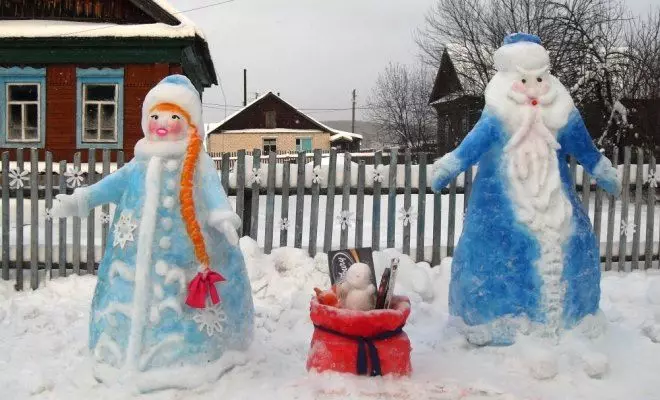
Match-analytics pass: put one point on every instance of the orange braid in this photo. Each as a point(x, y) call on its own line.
point(188, 202)
point(187, 185)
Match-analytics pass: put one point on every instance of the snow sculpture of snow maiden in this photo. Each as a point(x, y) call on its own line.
point(149, 327)
point(527, 259)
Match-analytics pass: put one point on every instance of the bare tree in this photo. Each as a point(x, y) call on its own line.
point(399, 105)
point(592, 44)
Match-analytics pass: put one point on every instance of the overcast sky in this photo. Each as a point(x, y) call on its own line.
point(314, 52)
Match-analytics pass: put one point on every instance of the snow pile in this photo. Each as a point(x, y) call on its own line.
point(43, 343)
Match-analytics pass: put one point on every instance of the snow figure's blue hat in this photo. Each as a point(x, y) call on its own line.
point(521, 51)
point(175, 89)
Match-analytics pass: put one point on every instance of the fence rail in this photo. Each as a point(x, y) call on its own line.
point(318, 202)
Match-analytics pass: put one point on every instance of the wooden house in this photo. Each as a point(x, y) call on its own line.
point(74, 73)
point(271, 124)
point(457, 102)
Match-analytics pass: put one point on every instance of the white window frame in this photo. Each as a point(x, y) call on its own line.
point(99, 103)
point(23, 104)
point(263, 139)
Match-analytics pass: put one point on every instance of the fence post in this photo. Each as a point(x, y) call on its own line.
point(284, 211)
point(421, 207)
point(76, 225)
point(62, 245)
point(650, 210)
point(48, 189)
point(407, 206)
point(34, 218)
point(391, 199)
point(300, 199)
point(241, 200)
point(19, 221)
point(376, 201)
point(638, 208)
point(270, 202)
point(91, 178)
point(345, 199)
point(359, 207)
point(314, 211)
point(611, 205)
point(254, 193)
point(5, 216)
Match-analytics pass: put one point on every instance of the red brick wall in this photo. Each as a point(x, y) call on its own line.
point(61, 111)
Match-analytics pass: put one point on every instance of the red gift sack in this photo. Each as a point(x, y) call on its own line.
point(369, 343)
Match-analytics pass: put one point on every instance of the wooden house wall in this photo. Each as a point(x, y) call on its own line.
point(115, 11)
point(254, 116)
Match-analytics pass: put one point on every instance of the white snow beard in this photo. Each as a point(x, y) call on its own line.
point(555, 106)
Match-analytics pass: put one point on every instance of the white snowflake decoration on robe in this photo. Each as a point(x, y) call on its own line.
point(256, 176)
point(379, 173)
point(124, 229)
point(105, 218)
point(284, 224)
point(406, 215)
point(17, 178)
point(74, 177)
point(317, 179)
point(652, 179)
point(210, 319)
point(345, 219)
point(628, 228)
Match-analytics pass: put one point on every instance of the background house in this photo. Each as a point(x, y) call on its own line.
point(271, 124)
point(74, 73)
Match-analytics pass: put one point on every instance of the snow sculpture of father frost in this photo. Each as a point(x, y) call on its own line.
point(527, 257)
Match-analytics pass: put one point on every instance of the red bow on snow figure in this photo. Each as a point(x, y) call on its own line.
point(203, 283)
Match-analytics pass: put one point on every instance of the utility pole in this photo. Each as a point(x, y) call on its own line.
point(244, 87)
point(353, 117)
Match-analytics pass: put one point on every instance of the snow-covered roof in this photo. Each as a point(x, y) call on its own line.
point(343, 135)
point(335, 133)
point(34, 28)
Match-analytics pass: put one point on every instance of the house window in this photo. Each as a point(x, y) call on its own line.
point(271, 119)
point(270, 145)
point(22, 107)
point(303, 144)
point(22, 112)
point(100, 108)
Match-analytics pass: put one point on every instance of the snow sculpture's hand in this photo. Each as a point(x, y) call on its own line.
point(67, 205)
point(607, 177)
point(226, 222)
point(444, 170)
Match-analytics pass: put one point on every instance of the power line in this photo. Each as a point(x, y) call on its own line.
point(218, 105)
point(174, 13)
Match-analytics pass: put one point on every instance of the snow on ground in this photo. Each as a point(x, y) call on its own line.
point(43, 343)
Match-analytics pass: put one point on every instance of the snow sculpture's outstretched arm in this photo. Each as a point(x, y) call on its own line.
point(107, 190)
point(221, 215)
point(476, 143)
point(575, 140)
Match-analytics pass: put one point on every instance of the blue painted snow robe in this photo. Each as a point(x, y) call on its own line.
point(510, 272)
point(141, 331)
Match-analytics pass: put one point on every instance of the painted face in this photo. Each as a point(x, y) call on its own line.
point(167, 126)
point(531, 85)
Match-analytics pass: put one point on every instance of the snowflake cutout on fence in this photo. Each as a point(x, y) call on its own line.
point(74, 177)
point(345, 218)
point(124, 229)
point(17, 177)
point(210, 319)
point(378, 173)
point(317, 179)
point(406, 215)
point(284, 224)
point(105, 218)
point(652, 179)
point(628, 228)
point(48, 214)
point(256, 176)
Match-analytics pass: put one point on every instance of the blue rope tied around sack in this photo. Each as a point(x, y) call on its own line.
point(366, 345)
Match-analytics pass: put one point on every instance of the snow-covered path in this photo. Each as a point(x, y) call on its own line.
point(43, 343)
